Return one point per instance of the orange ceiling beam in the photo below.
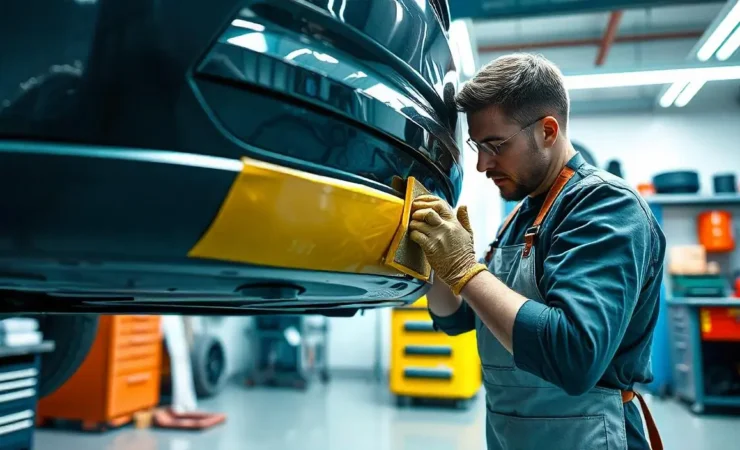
(609, 35)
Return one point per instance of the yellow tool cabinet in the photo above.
(428, 363)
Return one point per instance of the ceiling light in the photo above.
(461, 42)
(689, 93)
(730, 45)
(650, 77)
(672, 93)
(720, 34)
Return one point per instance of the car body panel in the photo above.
(125, 126)
(301, 220)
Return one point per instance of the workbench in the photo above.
(691, 327)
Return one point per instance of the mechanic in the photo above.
(565, 302)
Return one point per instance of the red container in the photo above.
(715, 231)
(720, 324)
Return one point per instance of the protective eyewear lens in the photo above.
(485, 147)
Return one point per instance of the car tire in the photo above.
(73, 336)
(208, 358)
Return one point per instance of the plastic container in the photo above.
(725, 183)
(715, 231)
(646, 189)
(678, 182)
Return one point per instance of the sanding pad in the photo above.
(404, 254)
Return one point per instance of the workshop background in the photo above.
(384, 379)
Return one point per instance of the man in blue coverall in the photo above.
(565, 302)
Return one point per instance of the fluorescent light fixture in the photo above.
(672, 93)
(730, 45)
(687, 94)
(461, 39)
(720, 34)
(248, 25)
(651, 77)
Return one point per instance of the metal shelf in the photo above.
(693, 199)
(43, 347)
(717, 400)
(704, 301)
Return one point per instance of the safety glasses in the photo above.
(495, 149)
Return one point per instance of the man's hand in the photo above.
(447, 240)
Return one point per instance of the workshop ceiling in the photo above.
(507, 9)
(644, 37)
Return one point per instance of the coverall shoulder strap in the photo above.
(557, 187)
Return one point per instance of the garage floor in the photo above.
(358, 415)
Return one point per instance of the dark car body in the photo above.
(127, 128)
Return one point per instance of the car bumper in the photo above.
(168, 225)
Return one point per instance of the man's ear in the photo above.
(551, 131)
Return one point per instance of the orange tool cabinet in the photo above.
(426, 363)
(120, 375)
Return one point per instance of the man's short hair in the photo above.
(525, 86)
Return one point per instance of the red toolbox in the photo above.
(720, 323)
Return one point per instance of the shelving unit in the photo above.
(677, 355)
(693, 199)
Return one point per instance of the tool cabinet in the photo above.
(697, 326)
(426, 363)
(19, 370)
(120, 376)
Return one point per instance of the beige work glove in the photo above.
(446, 239)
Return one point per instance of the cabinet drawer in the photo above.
(428, 373)
(427, 350)
(136, 319)
(134, 392)
(134, 328)
(135, 365)
(136, 352)
(138, 340)
(720, 324)
(459, 352)
(410, 314)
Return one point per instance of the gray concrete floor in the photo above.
(359, 415)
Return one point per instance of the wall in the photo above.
(645, 143)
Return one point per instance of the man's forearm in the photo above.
(495, 304)
(440, 299)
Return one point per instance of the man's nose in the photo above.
(485, 162)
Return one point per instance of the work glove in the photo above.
(446, 239)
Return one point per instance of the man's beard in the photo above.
(536, 171)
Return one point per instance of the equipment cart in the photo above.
(288, 350)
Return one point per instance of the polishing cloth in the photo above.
(404, 254)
